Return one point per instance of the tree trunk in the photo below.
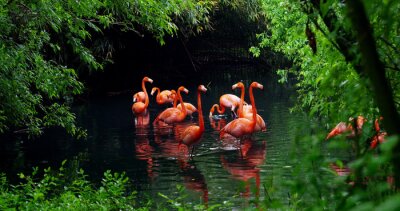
(374, 70)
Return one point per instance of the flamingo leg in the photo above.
(191, 153)
(233, 114)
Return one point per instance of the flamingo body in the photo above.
(237, 128)
(190, 108)
(339, 129)
(140, 108)
(229, 101)
(173, 115)
(243, 126)
(192, 134)
(139, 97)
(162, 97)
(248, 114)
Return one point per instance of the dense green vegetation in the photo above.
(44, 43)
(345, 59)
(69, 189)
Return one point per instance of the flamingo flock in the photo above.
(342, 128)
(246, 120)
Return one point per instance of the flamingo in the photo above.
(246, 111)
(228, 101)
(162, 97)
(140, 108)
(190, 109)
(240, 127)
(173, 115)
(247, 166)
(192, 134)
(340, 128)
(215, 106)
(139, 97)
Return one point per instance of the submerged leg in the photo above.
(240, 148)
(191, 154)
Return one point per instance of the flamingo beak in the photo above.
(150, 80)
(186, 91)
(134, 99)
(152, 91)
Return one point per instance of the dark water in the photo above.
(149, 155)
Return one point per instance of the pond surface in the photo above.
(149, 155)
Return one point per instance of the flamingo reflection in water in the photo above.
(143, 149)
(217, 122)
(193, 179)
(246, 167)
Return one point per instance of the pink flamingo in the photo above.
(246, 111)
(190, 109)
(139, 97)
(340, 128)
(140, 108)
(240, 127)
(173, 115)
(212, 109)
(162, 97)
(192, 134)
(228, 101)
(379, 136)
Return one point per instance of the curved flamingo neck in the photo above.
(175, 98)
(158, 94)
(253, 106)
(146, 101)
(213, 109)
(240, 110)
(157, 90)
(221, 109)
(376, 125)
(184, 112)
(200, 110)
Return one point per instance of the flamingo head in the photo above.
(257, 85)
(238, 85)
(154, 89)
(202, 88)
(135, 98)
(182, 88)
(147, 79)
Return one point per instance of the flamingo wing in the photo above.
(190, 135)
(237, 128)
(170, 115)
(339, 129)
(138, 107)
